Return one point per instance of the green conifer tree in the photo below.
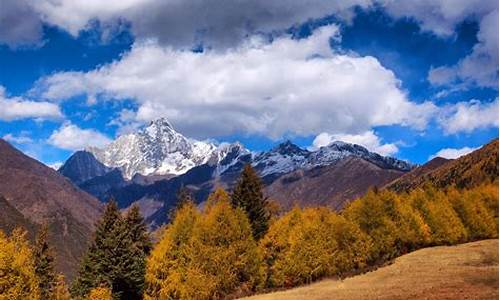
(248, 195)
(114, 259)
(44, 264)
(141, 246)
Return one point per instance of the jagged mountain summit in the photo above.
(288, 157)
(155, 150)
(158, 149)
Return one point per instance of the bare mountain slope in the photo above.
(333, 185)
(41, 195)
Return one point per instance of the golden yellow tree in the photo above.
(168, 261)
(60, 291)
(305, 245)
(371, 215)
(204, 256)
(225, 257)
(100, 293)
(17, 268)
(477, 219)
(445, 225)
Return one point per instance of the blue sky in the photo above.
(411, 81)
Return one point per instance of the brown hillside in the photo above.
(333, 186)
(478, 167)
(40, 195)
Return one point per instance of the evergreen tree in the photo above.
(44, 263)
(183, 197)
(113, 259)
(248, 195)
(141, 245)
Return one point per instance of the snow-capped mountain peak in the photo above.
(156, 149)
(287, 157)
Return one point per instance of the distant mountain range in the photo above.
(149, 166)
(32, 194)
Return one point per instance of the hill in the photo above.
(467, 271)
(478, 167)
(33, 194)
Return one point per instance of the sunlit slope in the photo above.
(467, 271)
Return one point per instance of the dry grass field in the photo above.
(467, 271)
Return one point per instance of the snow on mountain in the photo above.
(283, 158)
(288, 157)
(160, 150)
(157, 149)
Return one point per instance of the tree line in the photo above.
(234, 245)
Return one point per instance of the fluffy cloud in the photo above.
(217, 23)
(469, 116)
(442, 17)
(481, 66)
(23, 138)
(20, 24)
(439, 16)
(15, 108)
(367, 139)
(452, 153)
(71, 137)
(270, 88)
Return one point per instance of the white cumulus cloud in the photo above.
(71, 137)
(469, 116)
(292, 86)
(367, 139)
(15, 108)
(22, 138)
(452, 153)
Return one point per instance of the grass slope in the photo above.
(467, 271)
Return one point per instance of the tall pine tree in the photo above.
(141, 246)
(44, 264)
(114, 258)
(248, 195)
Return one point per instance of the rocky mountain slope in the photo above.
(478, 167)
(42, 195)
(333, 185)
